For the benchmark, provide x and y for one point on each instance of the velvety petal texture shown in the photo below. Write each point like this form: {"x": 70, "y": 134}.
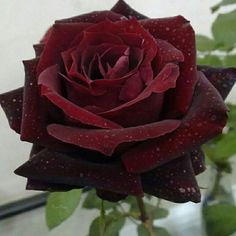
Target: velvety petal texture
{"x": 114, "y": 100}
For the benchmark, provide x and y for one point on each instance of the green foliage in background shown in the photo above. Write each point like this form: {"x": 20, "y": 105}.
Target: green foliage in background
{"x": 219, "y": 51}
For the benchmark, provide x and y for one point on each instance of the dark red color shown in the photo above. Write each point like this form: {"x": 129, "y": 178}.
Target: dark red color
{"x": 115, "y": 101}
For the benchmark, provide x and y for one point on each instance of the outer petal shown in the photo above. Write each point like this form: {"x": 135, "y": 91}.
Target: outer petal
{"x": 60, "y": 39}
{"x": 222, "y": 78}
{"x": 38, "y": 48}
{"x": 106, "y": 141}
{"x": 33, "y": 126}
{"x": 123, "y": 8}
{"x": 174, "y": 181}
{"x": 11, "y": 103}
{"x": 94, "y": 17}
{"x": 198, "y": 160}
{"x": 178, "y": 31}
{"x": 33, "y": 121}
{"x": 58, "y": 168}
{"x": 49, "y": 82}
{"x": 44, "y": 186}
{"x": 205, "y": 119}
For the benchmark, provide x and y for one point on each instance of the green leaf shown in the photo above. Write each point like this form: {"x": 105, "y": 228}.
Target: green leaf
{"x": 232, "y": 117}
{"x": 226, "y": 147}
{"x": 114, "y": 227}
{"x": 159, "y": 231}
{"x": 133, "y": 203}
{"x": 230, "y": 61}
{"x": 60, "y": 206}
{"x": 222, "y": 3}
{"x": 93, "y": 201}
{"x": 156, "y": 212}
{"x": 142, "y": 230}
{"x": 224, "y": 28}
{"x": 220, "y": 219}
{"x": 94, "y": 227}
{"x": 211, "y": 60}
{"x": 204, "y": 43}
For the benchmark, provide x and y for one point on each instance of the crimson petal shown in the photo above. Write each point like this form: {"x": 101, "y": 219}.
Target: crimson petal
{"x": 123, "y": 8}
{"x": 59, "y": 40}
{"x": 40, "y": 185}
{"x": 11, "y": 103}
{"x": 49, "y": 82}
{"x": 106, "y": 141}
{"x": 33, "y": 120}
{"x": 205, "y": 119}
{"x": 93, "y": 17}
{"x": 38, "y": 48}
{"x": 33, "y": 126}
{"x": 58, "y": 168}
{"x": 165, "y": 80}
{"x": 198, "y": 160}
{"x": 222, "y": 78}
{"x": 175, "y": 181}
{"x": 178, "y": 32}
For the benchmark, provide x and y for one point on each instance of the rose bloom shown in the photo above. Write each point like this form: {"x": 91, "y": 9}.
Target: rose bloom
{"x": 115, "y": 101}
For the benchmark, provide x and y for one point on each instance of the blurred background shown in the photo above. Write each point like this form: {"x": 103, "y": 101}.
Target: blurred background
{"x": 22, "y": 24}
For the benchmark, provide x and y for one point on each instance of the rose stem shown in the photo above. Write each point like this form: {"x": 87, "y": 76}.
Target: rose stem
{"x": 144, "y": 216}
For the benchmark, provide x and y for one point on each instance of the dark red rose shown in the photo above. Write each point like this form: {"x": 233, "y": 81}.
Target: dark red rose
{"x": 114, "y": 100}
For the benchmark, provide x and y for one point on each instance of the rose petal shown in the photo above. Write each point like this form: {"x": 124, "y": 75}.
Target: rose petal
{"x": 38, "y": 48}
{"x": 165, "y": 80}
{"x": 94, "y": 17}
{"x": 121, "y": 66}
{"x": 178, "y": 31}
{"x": 131, "y": 88}
{"x": 11, "y": 103}
{"x": 33, "y": 123}
{"x": 58, "y": 168}
{"x": 174, "y": 181}
{"x": 49, "y": 82}
{"x": 132, "y": 39}
{"x": 222, "y": 78}
{"x": 110, "y": 196}
{"x": 198, "y": 160}
{"x": 146, "y": 111}
{"x": 205, "y": 119}
{"x": 84, "y": 97}
{"x": 33, "y": 184}
{"x": 123, "y": 8}
{"x": 167, "y": 53}
{"x": 97, "y": 38}
{"x": 33, "y": 126}
{"x": 60, "y": 39}
{"x": 106, "y": 141}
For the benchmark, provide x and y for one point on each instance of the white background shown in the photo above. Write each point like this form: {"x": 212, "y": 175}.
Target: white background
{"x": 23, "y": 22}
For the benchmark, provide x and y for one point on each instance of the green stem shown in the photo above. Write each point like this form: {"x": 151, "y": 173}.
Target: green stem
{"x": 102, "y": 219}
{"x": 147, "y": 221}
{"x": 216, "y": 185}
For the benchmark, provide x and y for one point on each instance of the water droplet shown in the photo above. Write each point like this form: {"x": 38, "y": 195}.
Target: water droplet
{"x": 213, "y": 118}
{"x": 182, "y": 190}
